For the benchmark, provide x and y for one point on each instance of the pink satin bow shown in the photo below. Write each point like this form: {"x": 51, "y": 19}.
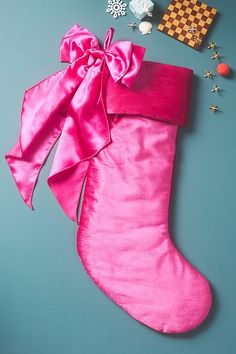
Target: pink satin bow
{"x": 70, "y": 103}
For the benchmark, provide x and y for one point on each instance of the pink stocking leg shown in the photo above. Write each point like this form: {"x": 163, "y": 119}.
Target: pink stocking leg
{"x": 123, "y": 238}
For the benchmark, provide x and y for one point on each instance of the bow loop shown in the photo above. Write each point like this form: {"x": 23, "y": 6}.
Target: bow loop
{"x": 118, "y": 59}
{"x": 76, "y": 43}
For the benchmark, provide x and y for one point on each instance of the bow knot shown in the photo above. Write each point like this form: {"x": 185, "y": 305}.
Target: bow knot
{"x": 70, "y": 104}
{"x": 96, "y": 53}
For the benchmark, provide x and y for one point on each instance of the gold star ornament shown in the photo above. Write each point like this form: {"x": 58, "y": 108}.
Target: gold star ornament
{"x": 214, "y": 108}
{"x": 132, "y": 26}
{"x": 208, "y": 74}
{"x": 211, "y": 45}
{"x": 216, "y": 55}
{"x": 216, "y": 89}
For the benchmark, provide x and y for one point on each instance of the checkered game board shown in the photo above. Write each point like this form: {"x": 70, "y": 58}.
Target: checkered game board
{"x": 187, "y": 21}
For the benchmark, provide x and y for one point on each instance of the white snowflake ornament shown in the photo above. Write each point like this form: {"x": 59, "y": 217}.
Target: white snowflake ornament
{"x": 116, "y": 8}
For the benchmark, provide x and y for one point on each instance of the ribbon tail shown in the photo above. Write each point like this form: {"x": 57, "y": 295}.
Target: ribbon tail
{"x": 38, "y": 134}
{"x": 44, "y": 111}
{"x": 70, "y": 166}
{"x": 84, "y": 134}
{"x": 67, "y": 187}
{"x": 68, "y": 171}
{"x": 25, "y": 182}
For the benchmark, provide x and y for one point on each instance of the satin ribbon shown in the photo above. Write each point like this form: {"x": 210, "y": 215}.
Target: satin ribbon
{"x": 70, "y": 103}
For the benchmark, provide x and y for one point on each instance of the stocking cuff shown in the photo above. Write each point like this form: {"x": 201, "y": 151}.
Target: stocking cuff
{"x": 160, "y": 91}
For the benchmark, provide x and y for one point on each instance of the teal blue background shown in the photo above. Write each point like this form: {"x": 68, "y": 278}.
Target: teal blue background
{"x": 48, "y": 305}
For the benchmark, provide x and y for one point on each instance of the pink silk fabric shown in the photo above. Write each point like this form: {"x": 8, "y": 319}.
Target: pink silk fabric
{"x": 123, "y": 238}
{"x": 70, "y": 103}
{"x": 122, "y": 140}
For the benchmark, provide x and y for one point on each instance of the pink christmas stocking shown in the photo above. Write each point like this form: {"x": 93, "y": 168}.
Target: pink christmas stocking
{"x": 123, "y": 237}
{"x": 121, "y": 138}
